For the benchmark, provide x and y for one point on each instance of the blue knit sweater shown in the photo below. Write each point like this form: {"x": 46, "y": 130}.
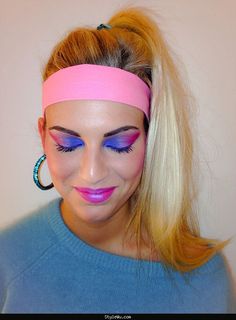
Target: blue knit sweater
{"x": 45, "y": 268}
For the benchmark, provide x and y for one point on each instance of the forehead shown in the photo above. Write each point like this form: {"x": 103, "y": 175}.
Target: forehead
{"x": 93, "y": 113}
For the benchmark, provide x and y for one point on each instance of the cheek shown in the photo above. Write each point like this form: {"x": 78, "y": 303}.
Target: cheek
{"x": 59, "y": 166}
{"x": 132, "y": 166}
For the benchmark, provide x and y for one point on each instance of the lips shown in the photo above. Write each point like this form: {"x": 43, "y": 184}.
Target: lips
{"x": 95, "y": 195}
{"x": 94, "y": 191}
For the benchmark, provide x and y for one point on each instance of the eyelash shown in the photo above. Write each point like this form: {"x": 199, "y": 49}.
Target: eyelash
{"x": 70, "y": 149}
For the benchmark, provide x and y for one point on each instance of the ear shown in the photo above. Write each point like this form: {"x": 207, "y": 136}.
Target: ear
{"x": 42, "y": 131}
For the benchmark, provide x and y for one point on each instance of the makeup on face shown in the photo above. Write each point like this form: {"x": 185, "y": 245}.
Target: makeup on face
{"x": 95, "y": 196}
{"x": 119, "y": 141}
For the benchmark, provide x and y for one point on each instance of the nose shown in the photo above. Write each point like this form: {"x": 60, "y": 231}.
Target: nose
{"x": 93, "y": 168}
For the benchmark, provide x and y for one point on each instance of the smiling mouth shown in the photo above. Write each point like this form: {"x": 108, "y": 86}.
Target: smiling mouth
{"x": 95, "y": 195}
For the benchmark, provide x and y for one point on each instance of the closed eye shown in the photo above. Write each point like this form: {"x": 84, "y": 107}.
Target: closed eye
{"x": 118, "y": 150}
{"x": 118, "y": 144}
{"x": 65, "y": 149}
{"x": 121, "y": 150}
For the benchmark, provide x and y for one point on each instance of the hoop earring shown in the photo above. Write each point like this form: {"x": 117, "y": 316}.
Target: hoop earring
{"x": 36, "y": 174}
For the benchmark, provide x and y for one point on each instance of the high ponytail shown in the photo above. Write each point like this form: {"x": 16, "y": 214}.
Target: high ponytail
{"x": 161, "y": 209}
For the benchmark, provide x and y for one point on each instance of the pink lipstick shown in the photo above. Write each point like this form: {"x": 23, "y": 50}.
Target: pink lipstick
{"x": 95, "y": 195}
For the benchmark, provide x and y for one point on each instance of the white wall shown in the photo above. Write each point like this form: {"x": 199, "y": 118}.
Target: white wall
{"x": 201, "y": 32}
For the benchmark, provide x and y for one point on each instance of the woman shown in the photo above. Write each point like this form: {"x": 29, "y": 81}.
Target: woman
{"x": 122, "y": 237}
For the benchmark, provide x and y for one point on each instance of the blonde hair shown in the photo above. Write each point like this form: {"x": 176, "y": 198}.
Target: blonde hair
{"x": 162, "y": 205}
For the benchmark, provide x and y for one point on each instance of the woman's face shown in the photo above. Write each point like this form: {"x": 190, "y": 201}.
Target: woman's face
{"x": 94, "y": 144}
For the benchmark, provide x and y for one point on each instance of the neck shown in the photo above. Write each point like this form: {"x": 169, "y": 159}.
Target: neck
{"x": 106, "y": 235}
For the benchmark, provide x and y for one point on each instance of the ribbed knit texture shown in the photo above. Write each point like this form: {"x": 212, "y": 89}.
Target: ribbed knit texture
{"x": 45, "y": 268}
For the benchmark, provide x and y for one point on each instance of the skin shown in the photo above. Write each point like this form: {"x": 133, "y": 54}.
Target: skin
{"x": 94, "y": 165}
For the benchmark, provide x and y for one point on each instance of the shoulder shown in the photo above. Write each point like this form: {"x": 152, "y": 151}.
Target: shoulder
{"x": 26, "y": 240}
{"x": 213, "y": 271}
{"x": 214, "y": 283}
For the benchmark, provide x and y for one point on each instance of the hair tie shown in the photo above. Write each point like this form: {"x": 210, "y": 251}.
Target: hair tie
{"x": 103, "y": 26}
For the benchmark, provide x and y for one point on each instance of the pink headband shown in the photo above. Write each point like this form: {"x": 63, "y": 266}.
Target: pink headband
{"x": 96, "y": 82}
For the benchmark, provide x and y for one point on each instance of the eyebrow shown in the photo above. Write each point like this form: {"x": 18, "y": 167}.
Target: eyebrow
{"x": 108, "y": 134}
